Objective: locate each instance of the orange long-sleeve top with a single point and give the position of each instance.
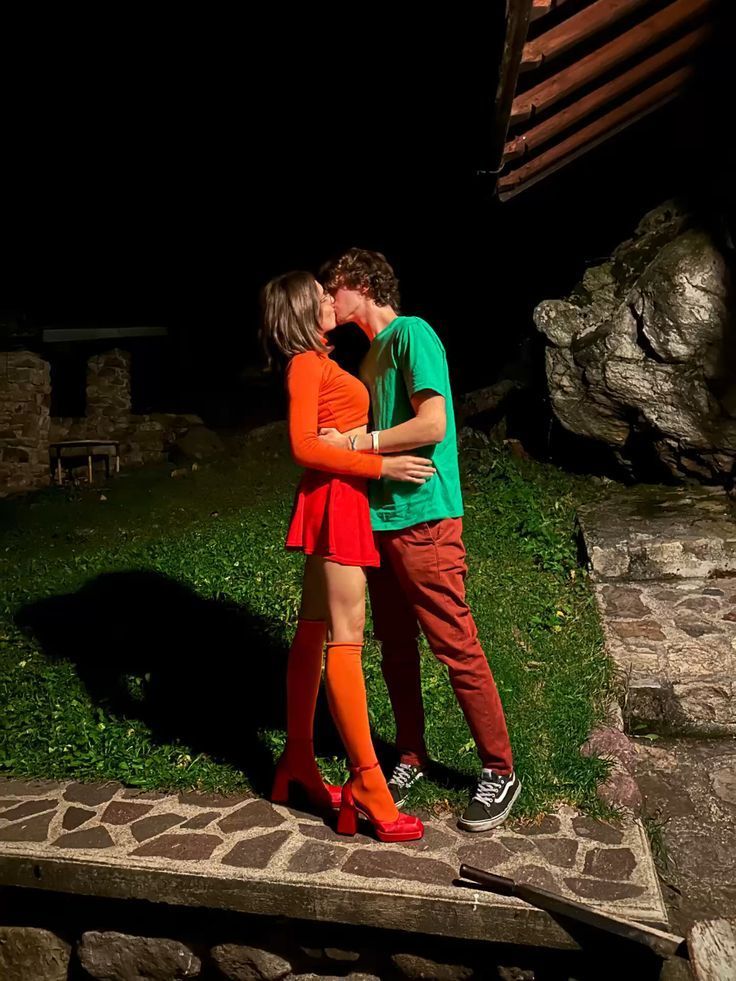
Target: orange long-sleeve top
(322, 395)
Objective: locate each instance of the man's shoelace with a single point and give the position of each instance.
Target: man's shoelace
(404, 774)
(488, 790)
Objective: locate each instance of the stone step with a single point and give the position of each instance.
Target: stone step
(250, 856)
(656, 533)
(675, 644)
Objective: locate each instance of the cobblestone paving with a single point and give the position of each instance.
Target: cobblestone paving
(654, 532)
(664, 561)
(689, 789)
(246, 837)
(676, 643)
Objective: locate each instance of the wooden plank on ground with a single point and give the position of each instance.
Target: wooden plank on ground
(662, 943)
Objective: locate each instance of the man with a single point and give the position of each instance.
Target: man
(418, 531)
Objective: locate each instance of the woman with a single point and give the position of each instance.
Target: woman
(330, 524)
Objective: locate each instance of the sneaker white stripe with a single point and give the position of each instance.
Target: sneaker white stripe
(494, 822)
(509, 785)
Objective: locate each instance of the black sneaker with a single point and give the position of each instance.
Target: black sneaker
(491, 802)
(403, 778)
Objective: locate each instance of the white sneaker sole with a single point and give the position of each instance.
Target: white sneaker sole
(494, 822)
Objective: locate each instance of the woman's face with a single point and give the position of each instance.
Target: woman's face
(326, 310)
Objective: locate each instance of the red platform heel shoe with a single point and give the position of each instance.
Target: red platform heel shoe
(406, 827)
(321, 795)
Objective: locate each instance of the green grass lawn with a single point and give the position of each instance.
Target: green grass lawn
(143, 638)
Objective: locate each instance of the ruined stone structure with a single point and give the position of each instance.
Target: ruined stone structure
(25, 393)
(26, 428)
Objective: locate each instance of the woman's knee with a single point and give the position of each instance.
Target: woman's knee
(346, 629)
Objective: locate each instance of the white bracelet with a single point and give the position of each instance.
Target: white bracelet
(374, 440)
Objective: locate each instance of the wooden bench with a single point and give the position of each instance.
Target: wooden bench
(89, 448)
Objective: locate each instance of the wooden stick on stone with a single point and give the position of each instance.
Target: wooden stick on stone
(663, 944)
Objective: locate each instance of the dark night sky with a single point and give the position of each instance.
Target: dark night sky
(165, 179)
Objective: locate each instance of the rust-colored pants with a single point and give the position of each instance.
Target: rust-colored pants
(421, 584)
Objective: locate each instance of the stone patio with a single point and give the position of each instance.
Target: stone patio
(676, 643)
(664, 566)
(689, 790)
(653, 532)
(243, 853)
(664, 562)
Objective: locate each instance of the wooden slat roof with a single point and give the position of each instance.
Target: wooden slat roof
(576, 72)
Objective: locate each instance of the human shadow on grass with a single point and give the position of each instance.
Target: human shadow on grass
(207, 673)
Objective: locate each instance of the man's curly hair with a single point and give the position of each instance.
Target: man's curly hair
(361, 269)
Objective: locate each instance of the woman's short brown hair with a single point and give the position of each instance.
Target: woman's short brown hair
(290, 316)
(361, 269)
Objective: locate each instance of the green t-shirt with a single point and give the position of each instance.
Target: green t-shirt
(405, 358)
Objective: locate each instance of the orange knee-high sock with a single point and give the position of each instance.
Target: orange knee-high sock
(303, 676)
(349, 707)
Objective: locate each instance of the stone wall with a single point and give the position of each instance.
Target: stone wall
(25, 391)
(60, 938)
(108, 385)
(109, 416)
(26, 428)
(143, 439)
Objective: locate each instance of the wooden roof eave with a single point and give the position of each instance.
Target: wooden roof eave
(552, 90)
(518, 14)
(597, 132)
(599, 16)
(551, 127)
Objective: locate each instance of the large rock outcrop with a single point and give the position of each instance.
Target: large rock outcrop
(642, 355)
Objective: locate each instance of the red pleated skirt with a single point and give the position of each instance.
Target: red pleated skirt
(331, 518)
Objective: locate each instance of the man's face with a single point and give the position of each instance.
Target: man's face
(349, 304)
(326, 310)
